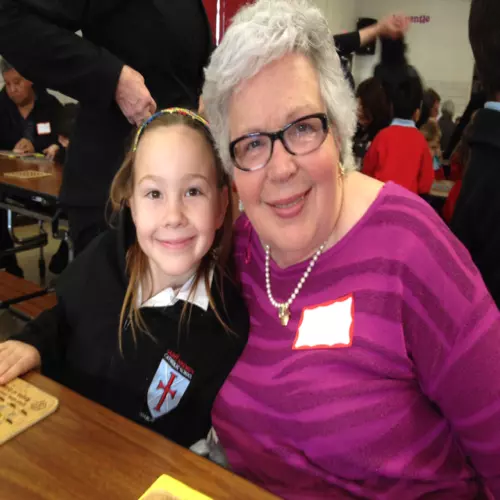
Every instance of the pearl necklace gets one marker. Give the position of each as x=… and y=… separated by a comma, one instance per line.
x=284, y=308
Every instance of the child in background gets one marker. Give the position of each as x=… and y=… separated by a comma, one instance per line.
x=399, y=153
x=148, y=320
x=430, y=107
x=432, y=134
x=374, y=114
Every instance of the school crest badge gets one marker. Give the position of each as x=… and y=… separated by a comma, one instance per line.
x=168, y=386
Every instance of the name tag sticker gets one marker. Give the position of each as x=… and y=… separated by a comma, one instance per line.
x=43, y=128
x=326, y=326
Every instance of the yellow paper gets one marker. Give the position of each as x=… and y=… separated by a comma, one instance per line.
x=168, y=488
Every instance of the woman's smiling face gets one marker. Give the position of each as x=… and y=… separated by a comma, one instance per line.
x=291, y=201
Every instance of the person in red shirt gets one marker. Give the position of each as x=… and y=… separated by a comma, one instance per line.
x=400, y=152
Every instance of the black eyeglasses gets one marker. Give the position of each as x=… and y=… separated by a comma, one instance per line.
x=302, y=136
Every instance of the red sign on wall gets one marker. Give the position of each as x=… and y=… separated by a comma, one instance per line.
x=420, y=19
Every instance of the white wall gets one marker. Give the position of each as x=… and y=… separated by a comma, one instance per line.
x=341, y=14
x=440, y=50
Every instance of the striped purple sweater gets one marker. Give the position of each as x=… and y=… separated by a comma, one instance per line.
x=390, y=389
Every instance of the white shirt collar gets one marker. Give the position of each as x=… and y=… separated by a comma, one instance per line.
x=399, y=122
x=495, y=106
x=168, y=297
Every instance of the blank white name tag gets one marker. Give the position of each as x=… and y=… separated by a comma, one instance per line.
x=326, y=326
x=43, y=128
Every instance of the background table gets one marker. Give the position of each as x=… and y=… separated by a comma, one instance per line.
x=44, y=187
x=441, y=189
x=12, y=287
x=84, y=451
x=37, y=198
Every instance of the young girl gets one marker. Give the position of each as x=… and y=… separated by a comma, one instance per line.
x=432, y=134
x=147, y=322
x=374, y=114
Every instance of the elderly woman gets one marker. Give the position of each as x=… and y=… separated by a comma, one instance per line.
x=372, y=368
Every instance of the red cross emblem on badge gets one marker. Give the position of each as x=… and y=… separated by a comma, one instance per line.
x=166, y=389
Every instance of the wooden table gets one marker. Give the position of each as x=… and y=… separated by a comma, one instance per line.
x=37, y=198
x=84, y=451
x=46, y=188
x=441, y=189
x=12, y=287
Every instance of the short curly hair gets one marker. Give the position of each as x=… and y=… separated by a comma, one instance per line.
x=264, y=32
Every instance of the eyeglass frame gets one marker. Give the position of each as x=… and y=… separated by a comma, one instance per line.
x=279, y=134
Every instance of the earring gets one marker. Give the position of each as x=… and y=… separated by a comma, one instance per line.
x=341, y=170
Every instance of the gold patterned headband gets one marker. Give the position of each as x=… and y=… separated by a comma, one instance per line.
x=168, y=111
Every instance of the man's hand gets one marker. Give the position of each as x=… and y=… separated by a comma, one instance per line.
x=24, y=146
x=51, y=151
x=394, y=26
x=133, y=97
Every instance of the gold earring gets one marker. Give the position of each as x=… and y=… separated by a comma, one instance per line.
x=341, y=170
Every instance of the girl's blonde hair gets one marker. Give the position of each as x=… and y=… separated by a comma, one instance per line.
x=137, y=267
x=432, y=134
x=431, y=131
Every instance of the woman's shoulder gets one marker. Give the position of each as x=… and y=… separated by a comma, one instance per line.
x=401, y=244
x=387, y=205
x=397, y=224
x=403, y=229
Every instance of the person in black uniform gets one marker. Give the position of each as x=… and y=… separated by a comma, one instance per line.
x=149, y=322
x=477, y=101
x=477, y=212
x=27, y=114
x=393, y=26
x=27, y=125
x=134, y=55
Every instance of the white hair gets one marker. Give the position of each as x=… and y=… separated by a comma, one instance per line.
x=264, y=32
x=449, y=108
x=5, y=66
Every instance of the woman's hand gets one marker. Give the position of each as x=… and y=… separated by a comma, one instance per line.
x=394, y=26
x=24, y=146
x=51, y=151
x=17, y=358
